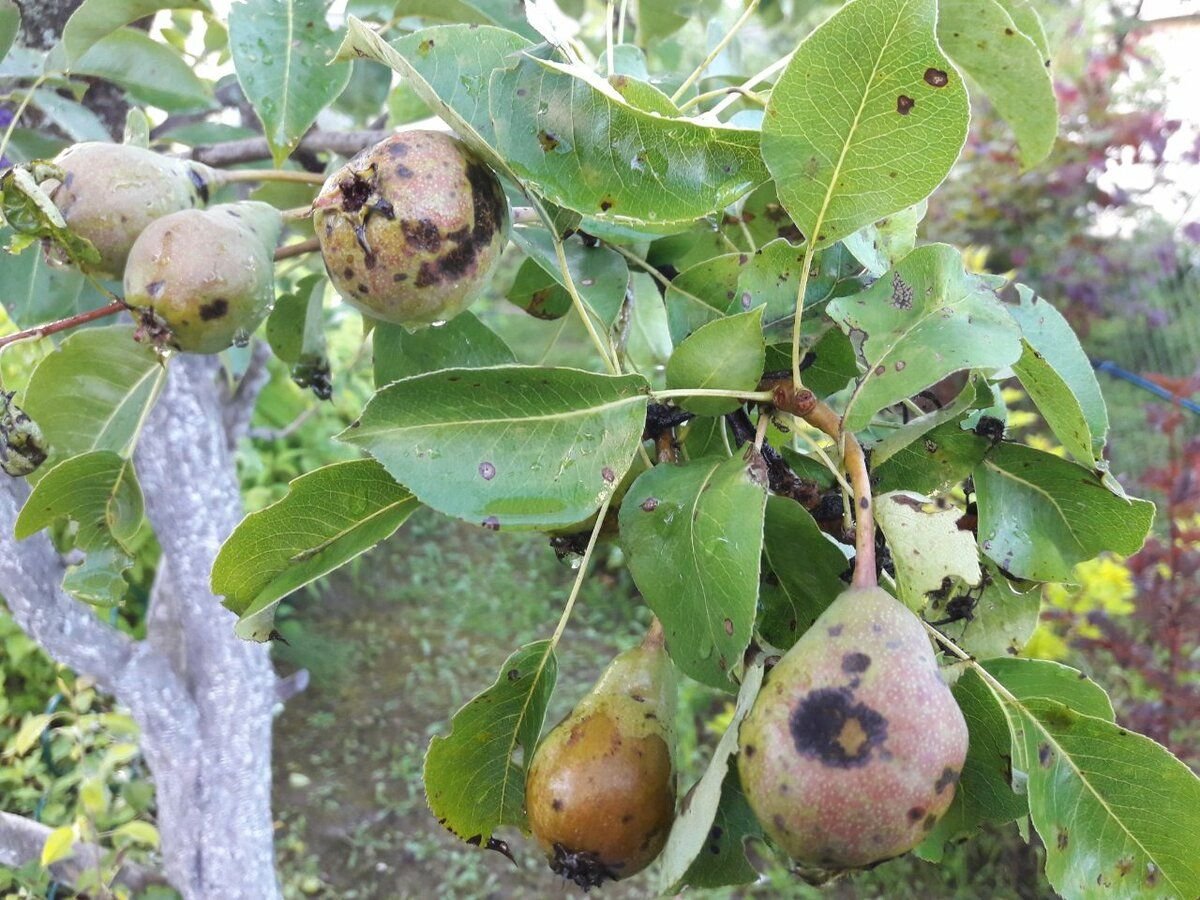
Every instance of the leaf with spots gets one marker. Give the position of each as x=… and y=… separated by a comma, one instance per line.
x=473, y=782
x=926, y=544
x=997, y=618
x=693, y=536
x=726, y=354
x=1039, y=514
x=1057, y=374
x=600, y=275
x=882, y=244
x=463, y=342
x=705, y=848
x=867, y=118
x=1028, y=679
x=283, y=52
x=926, y=319
x=768, y=278
x=328, y=517
x=984, y=41
x=586, y=149
x=1118, y=813
x=509, y=446
x=98, y=492
x=807, y=569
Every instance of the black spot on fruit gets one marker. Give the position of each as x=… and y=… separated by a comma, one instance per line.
x=948, y=778
x=355, y=193
x=422, y=235
x=214, y=310
x=855, y=663
x=828, y=725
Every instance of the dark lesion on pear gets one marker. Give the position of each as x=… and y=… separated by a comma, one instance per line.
x=827, y=724
x=586, y=869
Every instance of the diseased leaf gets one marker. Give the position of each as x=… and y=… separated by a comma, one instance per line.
x=693, y=536
x=686, y=860
x=867, y=118
x=282, y=50
x=926, y=545
x=925, y=320
x=328, y=517
x=505, y=13
x=881, y=245
x=1028, y=679
x=1039, y=515
x=1059, y=378
x=983, y=41
x=1000, y=617
x=473, y=784
x=507, y=447
x=600, y=275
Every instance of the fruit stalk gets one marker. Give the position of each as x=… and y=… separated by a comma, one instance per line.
x=236, y=176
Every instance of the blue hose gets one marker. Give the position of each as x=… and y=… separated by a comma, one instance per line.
x=1111, y=368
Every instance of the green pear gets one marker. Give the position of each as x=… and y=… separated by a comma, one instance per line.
x=412, y=228
x=854, y=746
x=203, y=280
x=600, y=792
x=109, y=193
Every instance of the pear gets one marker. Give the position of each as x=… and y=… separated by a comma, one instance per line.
x=854, y=746
x=202, y=280
x=600, y=792
x=109, y=193
x=412, y=228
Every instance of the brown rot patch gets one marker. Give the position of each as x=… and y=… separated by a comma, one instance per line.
x=904, y=104
x=936, y=77
x=828, y=725
x=214, y=310
x=422, y=235
x=948, y=778
x=355, y=193
x=855, y=663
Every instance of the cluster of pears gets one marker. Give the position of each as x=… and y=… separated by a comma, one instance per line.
x=600, y=792
x=410, y=231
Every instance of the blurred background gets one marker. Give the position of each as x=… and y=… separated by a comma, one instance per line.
x=1108, y=229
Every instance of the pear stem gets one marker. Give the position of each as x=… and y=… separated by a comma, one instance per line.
x=298, y=249
x=655, y=638
x=234, y=176
x=805, y=405
x=40, y=331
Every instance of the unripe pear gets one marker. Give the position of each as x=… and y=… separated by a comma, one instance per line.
x=203, y=280
x=601, y=788
x=109, y=193
x=411, y=229
x=853, y=748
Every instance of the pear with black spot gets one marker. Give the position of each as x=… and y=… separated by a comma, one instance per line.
x=203, y=280
x=854, y=746
x=600, y=792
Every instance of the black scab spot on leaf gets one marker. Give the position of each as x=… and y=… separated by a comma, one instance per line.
x=728, y=625
x=425, y=46
x=606, y=204
x=548, y=140
x=902, y=293
x=936, y=77
x=491, y=523
x=1045, y=755
x=608, y=475
x=856, y=663
x=829, y=726
x=214, y=310
x=487, y=471
x=514, y=674
x=650, y=504
x=904, y=104
x=1062, y=839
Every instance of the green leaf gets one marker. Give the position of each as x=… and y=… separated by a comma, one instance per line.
x=600, y=275
x=150, y=72
x=881, y=245
x=472, y=783
x=100, y=492
x=926, y=545
x=1029, y=679
x=807, y=567
x=1059, y=378
x=463, y=342
x=866, y=120
x=58, y=845
x=1039, y=515
x=1001, y=621
x=984, y=792
x=1118, y=814
x=927, y=320
x=10, y=24
x=504, y=13
x=94, y=20
x=28, y=734
x=141, y=833
x=74, y=119
x=686, y=860
x=328, y=517
x=510, y=446
x=648, y=344
x=984, y=41
x=1029, y=23
x=726, y=354
x=737, y=282
x=693, y=537
x=296, y=324
x=95, y=391
x=282, y=50
x=34, y=291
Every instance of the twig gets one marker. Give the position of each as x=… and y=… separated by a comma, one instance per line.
x=237, y=176
x=64, y=324
x=749, y=83
x=344, y=143
x=716, y=51
x=298, y=249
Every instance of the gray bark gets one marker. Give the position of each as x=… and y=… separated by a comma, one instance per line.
x=202, y=697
